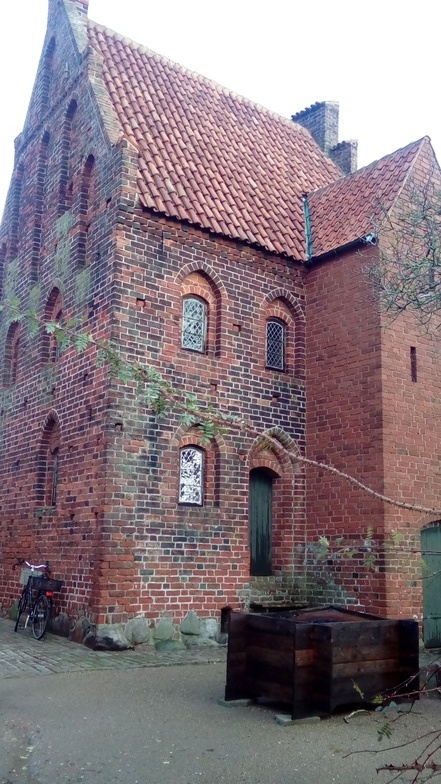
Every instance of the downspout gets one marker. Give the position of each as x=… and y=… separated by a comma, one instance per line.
x=308, y=227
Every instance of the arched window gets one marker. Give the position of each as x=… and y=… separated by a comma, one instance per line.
x=66, y=185
x=49, y=462
x=194, y=324
x=275, y=344
x=191, y=476
x=52, y=475
x=40, y=205
x=3, y=254
x=17, y=185
x=12, y=351
x=53, y=312
x=86, y=197
x=46, y=78
x=54, y=350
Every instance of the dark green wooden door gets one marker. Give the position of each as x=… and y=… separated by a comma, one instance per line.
x=261, y=492
x=431, y=553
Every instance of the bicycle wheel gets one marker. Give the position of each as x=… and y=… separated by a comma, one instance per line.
x=40, y=616
x=22, y=604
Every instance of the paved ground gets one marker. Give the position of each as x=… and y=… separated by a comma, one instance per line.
x=125, y=718
x=21, y=654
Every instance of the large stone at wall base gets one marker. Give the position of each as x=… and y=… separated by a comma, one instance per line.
x=196, y=641
x=13, y=611
x=164, y=646
x=61, y=624
x=107, y=637
x=209, y=628
x=80, y=630
x=137, y=631
x=164, y=629
x=191, y=624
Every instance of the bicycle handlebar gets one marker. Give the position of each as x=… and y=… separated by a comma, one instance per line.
x=32, y=567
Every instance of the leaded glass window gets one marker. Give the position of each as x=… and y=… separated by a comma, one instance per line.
x=275, y=344
x=194, y=324
x=191, y=476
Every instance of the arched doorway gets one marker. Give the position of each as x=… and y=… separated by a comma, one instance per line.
x=431, y=555
x=260, y=516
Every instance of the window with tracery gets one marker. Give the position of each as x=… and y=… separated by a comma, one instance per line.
x=194, y=324
x=191, y=476
x=275, y=344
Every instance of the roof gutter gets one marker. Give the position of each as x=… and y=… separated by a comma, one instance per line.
x=366, y=239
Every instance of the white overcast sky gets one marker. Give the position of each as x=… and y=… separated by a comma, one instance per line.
x=379, y=58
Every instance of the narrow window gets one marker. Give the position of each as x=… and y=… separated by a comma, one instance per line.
x=12, y=352
x=55, y=348
x=3, y=253
x=53, y=476
x=413, y=363
x=40, y=205
x=194, y=324
x=275, y=344
x=48, y=63
x=15, y=351
x=191, y=476
x=66, y=186
x=51, y=344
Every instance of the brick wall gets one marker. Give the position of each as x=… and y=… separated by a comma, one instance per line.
x=182, y=557
x=344, y=421
x=369, y=419
x=74, y=246
x=46, y=398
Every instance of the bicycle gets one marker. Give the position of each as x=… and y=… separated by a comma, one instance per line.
x=36, y=597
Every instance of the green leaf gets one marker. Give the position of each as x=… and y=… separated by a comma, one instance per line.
x=358, y=690
x=81, y=341
x=385, y=732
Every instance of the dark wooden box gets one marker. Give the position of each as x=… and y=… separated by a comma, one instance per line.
x=317, y=660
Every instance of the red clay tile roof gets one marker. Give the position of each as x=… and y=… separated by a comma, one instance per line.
x=353, y=206
x=207, y=155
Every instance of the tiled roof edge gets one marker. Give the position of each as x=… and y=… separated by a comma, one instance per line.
x=205, y=79
x=373, y=164
x=422, y=142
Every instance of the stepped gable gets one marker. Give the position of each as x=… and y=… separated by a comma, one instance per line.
x=207, y=155
x=353, y=206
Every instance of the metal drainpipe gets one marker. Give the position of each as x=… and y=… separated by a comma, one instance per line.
x=308, y=228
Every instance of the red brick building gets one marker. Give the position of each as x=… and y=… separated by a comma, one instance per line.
x=221, y=245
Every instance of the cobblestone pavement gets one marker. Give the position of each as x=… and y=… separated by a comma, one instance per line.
x=21, y=654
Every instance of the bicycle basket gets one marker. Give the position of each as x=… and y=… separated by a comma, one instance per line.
x=25, y=574
x=41, y=584
x=49, y=584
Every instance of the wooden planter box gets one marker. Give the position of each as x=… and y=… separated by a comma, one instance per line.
x=317, y=660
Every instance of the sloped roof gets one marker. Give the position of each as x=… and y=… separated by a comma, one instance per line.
x=353, y=206
x=207, y=155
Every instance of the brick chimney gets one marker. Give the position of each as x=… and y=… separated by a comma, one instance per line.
x=82, y=6
x=345, y=155
x=321, y=120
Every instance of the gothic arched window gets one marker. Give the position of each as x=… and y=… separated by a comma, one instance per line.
x=275, y=344
x=191, y=476
x=194, y=323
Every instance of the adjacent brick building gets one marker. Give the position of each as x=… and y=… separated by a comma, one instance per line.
x=219, y=244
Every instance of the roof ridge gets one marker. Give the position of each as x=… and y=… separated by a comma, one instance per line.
x=422, y=141
x=205, y=79
x=417, y=143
